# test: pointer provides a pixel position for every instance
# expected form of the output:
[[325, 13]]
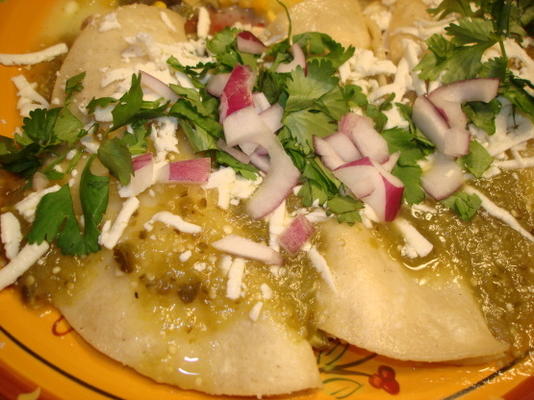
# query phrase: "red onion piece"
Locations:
[[246, 248], [260, 102], [143, 176], [296, 234], [260, 161], [241, 125], [272, 117], [368, 141], [247, 42], [359, 176], [480, 89], [238, 155], [189, 171], [237, 93], [451, 142], [328, 155], [391, 162], [216, 84], [139, 162], [386, 199], [343, 146], [280, 179], [158, 87], [443, 179], [299, 60], [248, 148]]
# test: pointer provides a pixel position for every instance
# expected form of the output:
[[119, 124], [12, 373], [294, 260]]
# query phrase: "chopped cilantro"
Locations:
[[114, 155], [247, 171], [55, 218], [346, 209], [463, 204], [100, 102], [136, 139], [483, 114], [73, 86], [320, 46], [478, 160], [129, 105]]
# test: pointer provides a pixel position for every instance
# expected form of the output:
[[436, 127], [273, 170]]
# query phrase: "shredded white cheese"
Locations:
[[515, 164], [11, 234], [231, 187], [415, 244], [235, 278], [112, 233], [28, 98], [34, 58], [225, 264], [164, 137], [21, 263], [321, 266], [266, 291], [173, 221], [278, 222], [109, 22], [500, 213], [255, 311], [28, 205]]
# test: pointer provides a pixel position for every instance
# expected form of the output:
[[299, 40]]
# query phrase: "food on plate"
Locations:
[[226, 201]]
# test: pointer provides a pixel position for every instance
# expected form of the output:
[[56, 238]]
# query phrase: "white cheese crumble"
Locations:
[[235, 278], [321, 266], [29, 99], [11, 234], [109, 22], [266, 291], [21, 263], [167, 21], [255, 311], [231, 187], [500, 213], [186, 255], [28, 205], [225, 264], [112, 233], [278, 222], [362, 65], [204, 22], [164, 137], [173, 221], [200, 266], [515, 164], [35, 57], [415, 244]]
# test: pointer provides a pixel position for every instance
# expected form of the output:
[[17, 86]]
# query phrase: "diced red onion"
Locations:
[[343, 146], [359, 176], [158, 87], [296, 234], [368, 141], [248, 148], [189, 171], [260, 102], [451, 142], [299, 60], [216, 84], [280, 179], [246, 248], [237, 93], [386, 199], [260, 161], [328, 155], [272, 117], [238, 155], [140, 161], [443, 179], [247, 42], [142, 178], [243, 124], [391, 162]]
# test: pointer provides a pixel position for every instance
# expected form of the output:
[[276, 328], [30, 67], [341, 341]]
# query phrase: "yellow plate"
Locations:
[[41, 358]]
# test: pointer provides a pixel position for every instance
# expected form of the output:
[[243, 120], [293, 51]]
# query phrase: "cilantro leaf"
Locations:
[[446, 7], [463, 204], [199, 139], [247, 171], [38, 128], [478, 160], [114, 155], [304, 124], [320, 46], [186, 110], [68, 128], [129, 104], [411, 178], [55, 218], [346, 209], [74, 85], [483, 114], [194, 73], [100, 102], [135, 140]]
